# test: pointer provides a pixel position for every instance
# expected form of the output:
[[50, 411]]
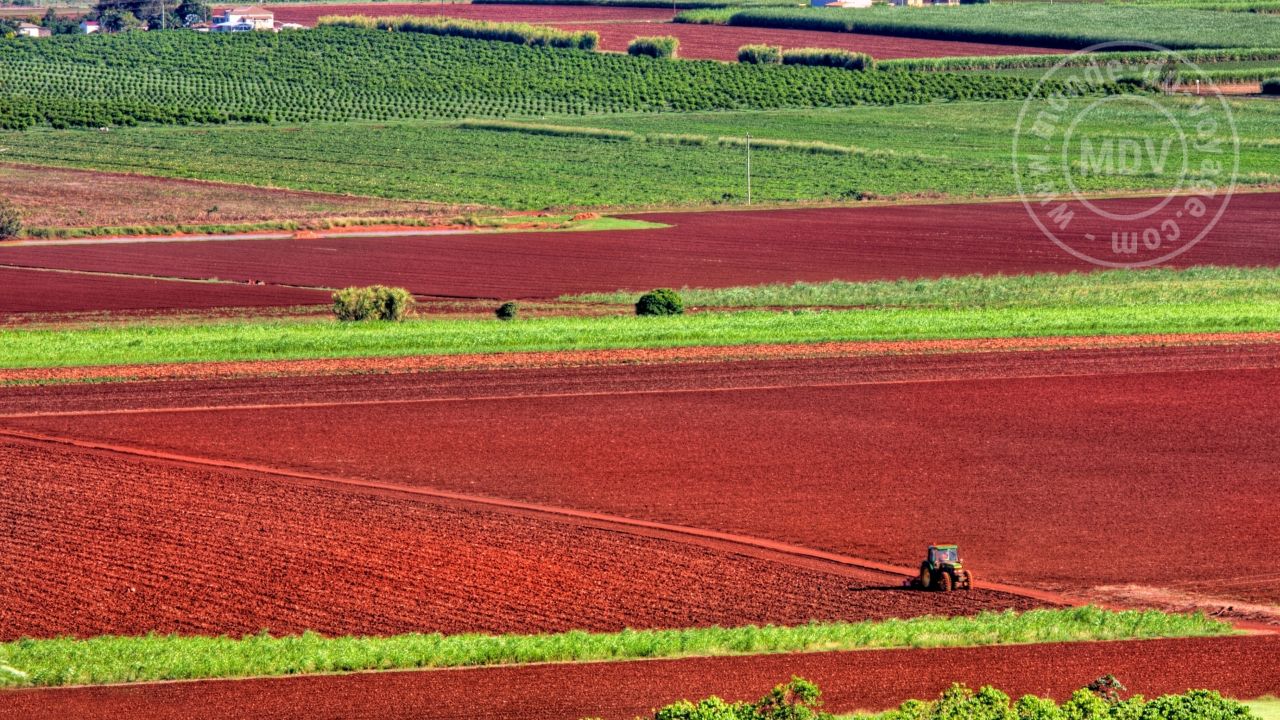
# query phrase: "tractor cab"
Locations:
[[944, 555], [942, 570]]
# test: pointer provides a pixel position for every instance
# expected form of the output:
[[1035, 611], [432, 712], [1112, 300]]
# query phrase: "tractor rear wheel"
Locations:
[[944, 582], [964, 580], [926, 576]]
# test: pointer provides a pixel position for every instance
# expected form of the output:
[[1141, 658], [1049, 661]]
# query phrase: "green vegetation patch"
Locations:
[[297, 339], [109, 659], [1062, 25], [958, 150], [1107, 287]]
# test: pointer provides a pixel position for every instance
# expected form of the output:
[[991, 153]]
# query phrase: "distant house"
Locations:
[[232, 19], [922, 3], [841, 3], [88, 27], [26, 29]]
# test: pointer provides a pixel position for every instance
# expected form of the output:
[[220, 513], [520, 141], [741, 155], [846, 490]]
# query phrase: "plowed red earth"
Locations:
[[32, 291], [107, 544], [721, 42], [1240, 666], [1108, 473], [308, 14], [702, 249]]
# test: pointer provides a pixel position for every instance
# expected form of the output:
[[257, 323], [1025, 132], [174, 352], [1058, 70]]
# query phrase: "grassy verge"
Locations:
[[1265, 708], [109, 659], [283, 339], [1110, 287]]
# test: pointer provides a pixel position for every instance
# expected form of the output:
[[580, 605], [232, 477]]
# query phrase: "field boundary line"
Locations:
[[591, 394], [162, 278], [783, 552]]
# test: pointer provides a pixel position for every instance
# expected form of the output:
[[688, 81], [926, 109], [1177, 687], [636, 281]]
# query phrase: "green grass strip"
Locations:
[[1110, 287], [110, 659], [292, 339]]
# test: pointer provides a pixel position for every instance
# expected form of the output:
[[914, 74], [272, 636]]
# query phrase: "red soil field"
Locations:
[[702, 249], [107, 544], [721, 42], [877, 679], [31, 291], [308, 14], [1055, 481]]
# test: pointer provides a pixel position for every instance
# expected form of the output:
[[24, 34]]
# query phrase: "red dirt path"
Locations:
[[31, 291], [108, 544], [703, 249], [721, 42], [1107, 473], [1241, 666], [308, 14]]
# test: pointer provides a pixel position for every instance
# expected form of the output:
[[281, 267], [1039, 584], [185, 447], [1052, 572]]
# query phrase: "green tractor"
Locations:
[[942, 571]]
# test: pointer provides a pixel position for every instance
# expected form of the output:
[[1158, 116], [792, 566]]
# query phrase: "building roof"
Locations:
[[251, 12]]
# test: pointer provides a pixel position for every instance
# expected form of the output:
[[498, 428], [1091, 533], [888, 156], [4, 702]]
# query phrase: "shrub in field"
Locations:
[[507, 311], [1271, 87], [795, 700], [760, 54], [663, 301], [801, 700], [660, 46], [10, 220], [824, 57], [376, 302]]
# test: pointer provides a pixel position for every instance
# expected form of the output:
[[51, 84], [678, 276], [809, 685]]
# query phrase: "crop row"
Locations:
[[349, 73], [113, 659], [1064, 26], [522, 33]]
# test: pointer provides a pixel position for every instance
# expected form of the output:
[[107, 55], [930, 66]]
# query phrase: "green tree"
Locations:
[[114, 21]]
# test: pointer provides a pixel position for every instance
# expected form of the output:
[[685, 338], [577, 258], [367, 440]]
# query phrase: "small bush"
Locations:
[[825, 57], [662, 46], [376, 302], [507, 311], [1271, 87], [760, 54], [10, 220], [662, 301]]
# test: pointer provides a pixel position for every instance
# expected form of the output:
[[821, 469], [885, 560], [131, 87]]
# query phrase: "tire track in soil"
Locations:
[[845, 565]]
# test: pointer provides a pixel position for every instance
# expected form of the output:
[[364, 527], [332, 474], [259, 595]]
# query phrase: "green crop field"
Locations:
[[1050, 25], [953, 149], [69, 661], [339, 73]]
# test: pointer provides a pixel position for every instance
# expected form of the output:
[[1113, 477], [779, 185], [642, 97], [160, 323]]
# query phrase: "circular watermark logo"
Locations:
[[1077, 140]]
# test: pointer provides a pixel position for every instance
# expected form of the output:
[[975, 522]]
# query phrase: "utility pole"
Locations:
[[748, 168]]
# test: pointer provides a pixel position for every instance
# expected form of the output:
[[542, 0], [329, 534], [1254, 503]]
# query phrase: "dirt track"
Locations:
[[539, 14], [845, 455], [32, 291], [702, 249], [1244, 666]]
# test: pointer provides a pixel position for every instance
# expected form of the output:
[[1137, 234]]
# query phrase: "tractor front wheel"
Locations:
[[944, 582]]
